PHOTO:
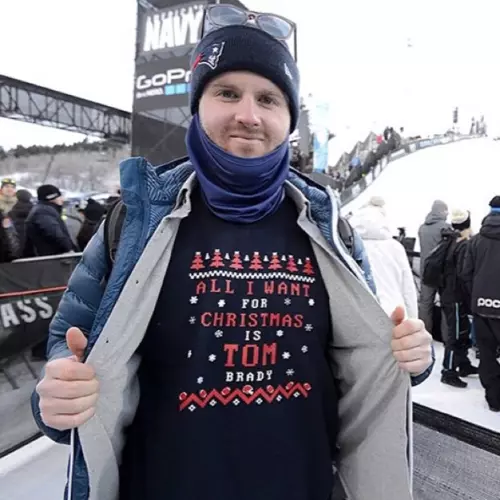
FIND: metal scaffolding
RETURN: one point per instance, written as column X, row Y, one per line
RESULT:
column 34, row 104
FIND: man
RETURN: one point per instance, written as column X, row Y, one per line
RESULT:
column 46, row 232
column 429, row 236
column 455, row 302
column 481, row 273
column 238, row 297
column 7, row 195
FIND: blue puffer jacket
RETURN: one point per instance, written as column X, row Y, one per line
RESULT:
column 149, row 195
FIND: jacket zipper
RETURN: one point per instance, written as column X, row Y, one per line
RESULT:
column 71, row 464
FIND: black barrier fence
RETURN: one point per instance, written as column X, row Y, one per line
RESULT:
column 30, row 291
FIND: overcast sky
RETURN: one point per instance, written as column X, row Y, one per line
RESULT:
column 353, row 54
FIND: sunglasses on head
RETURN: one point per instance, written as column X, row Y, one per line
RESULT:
column 219, row 15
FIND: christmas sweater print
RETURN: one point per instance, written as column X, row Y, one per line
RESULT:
column 236, row 389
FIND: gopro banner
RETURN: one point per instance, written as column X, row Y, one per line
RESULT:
column 162, row 84
column 30, row 292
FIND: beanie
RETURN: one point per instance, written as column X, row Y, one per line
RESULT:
column 245, row 48
column 495, row 202
column 94, row 211
column 439, row 207
column 460, row 219
column 48, row 192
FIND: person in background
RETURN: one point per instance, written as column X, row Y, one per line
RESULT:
column 20, row 213
column 387, row 256
column 429, row 235
column 9, row 242
column 455, row 303
column 46, row 232
column 481, row 274
column 7, row 195
column 92, row 213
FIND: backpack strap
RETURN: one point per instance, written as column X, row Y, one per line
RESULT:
column 346, row 234
column 113, row 224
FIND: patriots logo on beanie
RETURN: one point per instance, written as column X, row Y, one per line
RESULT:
column 210, row 57
column 245, row 48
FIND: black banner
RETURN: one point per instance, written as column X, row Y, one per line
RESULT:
column 161, row 84
column 30, row 292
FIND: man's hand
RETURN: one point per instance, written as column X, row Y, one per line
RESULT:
column 411, row 343
column 69, row 390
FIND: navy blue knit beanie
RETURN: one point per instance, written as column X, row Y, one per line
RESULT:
column 244, row 48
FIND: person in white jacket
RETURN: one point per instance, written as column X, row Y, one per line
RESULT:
column 390, row 266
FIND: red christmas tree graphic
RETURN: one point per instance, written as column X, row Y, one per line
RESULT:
column 256, row 263
column 236, row 262
column 217, row 260
column 197, row 262
column 308, row 268
column 275, row 262
column 291, row 266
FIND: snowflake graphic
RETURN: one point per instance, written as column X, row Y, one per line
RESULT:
column 190, row 353
column 192, row 320
column 221, row 303
column 311, row 302
column 304, row 349
column 309, row 327
column 193, row 300
column 286, row 355
column 236, row 402
column 259, row 401
column 279, row 398
column 219, row 333
column 212, row 358
column 296, row 395
column 200, row 380
column 280, row 333
column 288, row 301
column 213, row 402
column 290, row 372
column 192, row 408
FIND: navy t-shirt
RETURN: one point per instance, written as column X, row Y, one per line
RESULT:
column 238, row 401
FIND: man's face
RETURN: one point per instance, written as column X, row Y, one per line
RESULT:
column 245, row 114
column 9, row 190
column 59, row 201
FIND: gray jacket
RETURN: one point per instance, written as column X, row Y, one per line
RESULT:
column 429, row 235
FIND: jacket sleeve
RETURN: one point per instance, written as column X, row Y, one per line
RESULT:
column 78, row 307
column 13, row 242
column 421, row 377
column 466, row 263
column 361, row 257
column 50, row 226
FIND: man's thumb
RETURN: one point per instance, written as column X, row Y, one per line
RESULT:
column 398, row 316
column 77, row 342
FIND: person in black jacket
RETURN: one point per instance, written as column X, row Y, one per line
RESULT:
column 481, row 274
column 20, row 213
column 46, row 232
column 93, row 214
column 9, row 242
column 455, row 303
